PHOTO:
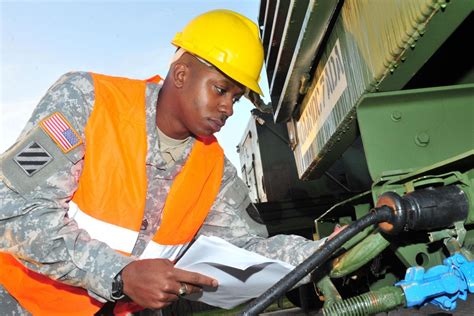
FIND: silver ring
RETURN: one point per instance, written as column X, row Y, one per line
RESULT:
column 183, row 290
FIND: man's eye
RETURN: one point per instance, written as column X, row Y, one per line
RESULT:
column 220, row 90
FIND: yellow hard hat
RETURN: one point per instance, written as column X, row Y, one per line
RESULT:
column 227, row 40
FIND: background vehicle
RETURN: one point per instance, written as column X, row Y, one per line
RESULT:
column 372, row 104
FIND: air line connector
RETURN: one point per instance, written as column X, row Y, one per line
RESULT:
column 441, row 285
column 425, row 209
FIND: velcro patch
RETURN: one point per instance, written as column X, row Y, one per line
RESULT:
column 32, row 158
column 62, row 133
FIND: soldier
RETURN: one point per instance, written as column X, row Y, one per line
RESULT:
column 139, row 159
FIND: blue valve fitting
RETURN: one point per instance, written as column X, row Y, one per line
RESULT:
column 440, row 285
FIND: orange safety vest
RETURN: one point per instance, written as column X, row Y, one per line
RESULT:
column 112, row 192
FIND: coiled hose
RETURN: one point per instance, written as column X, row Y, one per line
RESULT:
column 377, row 215
column 369, row 303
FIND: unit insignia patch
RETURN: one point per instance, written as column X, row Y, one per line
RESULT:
column 32, row 158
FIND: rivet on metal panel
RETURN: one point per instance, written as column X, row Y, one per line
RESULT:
column 421, row 29
column 396, row 116
column 443, row 4
column 393, row 66
column 416, row 35
column 422, row 139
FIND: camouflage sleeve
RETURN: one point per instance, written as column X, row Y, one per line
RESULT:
column 39, row 175
column 229, row 220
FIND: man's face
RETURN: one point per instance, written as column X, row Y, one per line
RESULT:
column 208, row 98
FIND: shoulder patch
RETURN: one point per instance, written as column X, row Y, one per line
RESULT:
column 32, row 158
column 61, row 131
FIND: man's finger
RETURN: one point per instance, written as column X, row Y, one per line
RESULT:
column 195, row 278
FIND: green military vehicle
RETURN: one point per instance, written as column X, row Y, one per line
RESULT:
column 371, row 111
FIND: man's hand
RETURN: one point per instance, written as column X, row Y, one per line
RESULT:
column 156, row 283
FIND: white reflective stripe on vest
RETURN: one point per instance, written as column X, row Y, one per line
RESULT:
column 120, row 238
column 168, row 252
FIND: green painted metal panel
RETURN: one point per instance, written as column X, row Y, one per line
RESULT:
column 374, row 45
column 404, row 131
column 419, row 254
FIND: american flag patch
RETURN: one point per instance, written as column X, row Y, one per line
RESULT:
column 59, row 129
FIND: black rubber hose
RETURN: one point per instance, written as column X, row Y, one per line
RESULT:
column 382, row 214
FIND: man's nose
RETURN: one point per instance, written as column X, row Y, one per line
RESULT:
column 226, row 106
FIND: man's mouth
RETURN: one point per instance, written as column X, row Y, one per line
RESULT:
column 216, row 124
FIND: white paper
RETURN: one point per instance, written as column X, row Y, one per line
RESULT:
column 242, row 275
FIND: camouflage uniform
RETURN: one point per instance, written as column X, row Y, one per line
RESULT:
column 34, row 225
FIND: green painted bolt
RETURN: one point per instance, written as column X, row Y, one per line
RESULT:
column 422, row 139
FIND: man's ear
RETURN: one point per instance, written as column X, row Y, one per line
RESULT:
column 180, row 72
